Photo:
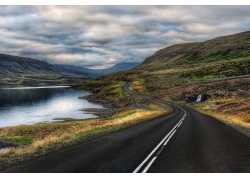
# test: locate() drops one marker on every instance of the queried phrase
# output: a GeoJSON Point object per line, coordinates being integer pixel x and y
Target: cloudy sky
{"type": "Point", "coordinates": [101, 36]}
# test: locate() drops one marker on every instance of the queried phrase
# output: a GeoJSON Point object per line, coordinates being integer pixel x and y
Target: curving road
{"type": "Point", "coordinates": [183, 141]}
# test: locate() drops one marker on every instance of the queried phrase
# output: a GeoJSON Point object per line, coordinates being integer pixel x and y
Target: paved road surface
{"type": "Point", "coordinates": [183, 141]}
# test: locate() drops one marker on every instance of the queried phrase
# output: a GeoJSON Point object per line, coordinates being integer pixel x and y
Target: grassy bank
{"type": "Point", "coordinates": [234, 110]}
{"type": "Point", "coordinates": [40, 136]}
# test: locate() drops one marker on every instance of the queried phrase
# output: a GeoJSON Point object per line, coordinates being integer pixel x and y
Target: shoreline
{"type": "Point", "coordinates": [108, 109]}
{"type": "Point", "coordinates": [27, 157]}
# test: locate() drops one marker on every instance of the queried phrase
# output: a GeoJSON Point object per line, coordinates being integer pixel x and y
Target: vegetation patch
{"type": "Point", "coordinates": [234, 110]}
{"type": "Point", "coordinates": [44, 135]}
{"type": "Point", "coordinates": [22, 141]}
{"type": "Point", "coordinates": [121, 116]}
{"type": "Point", "coordinates": [234, 68]}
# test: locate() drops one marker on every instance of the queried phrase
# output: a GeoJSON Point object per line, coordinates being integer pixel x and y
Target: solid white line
{"type": "Point", "coordinates": [149, 165]}
{"type": "Point", "coordinates": [169, 138]}
{"type": "Point", "coordinates": [151, 162]}
{"type": "Point", "coordinates": [180, 124]}
{"type": "Point", "coordinates": [147, 158]}
{"type": "Point", "coordinates": [155, 149]}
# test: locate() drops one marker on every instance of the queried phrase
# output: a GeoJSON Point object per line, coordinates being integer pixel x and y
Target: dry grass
{"type": "Point", "coordinates": [48, 134]}
{"type": "Point", "coordinates": [234, 110]}
{"type": "Point", "coordinates": [138, 86]}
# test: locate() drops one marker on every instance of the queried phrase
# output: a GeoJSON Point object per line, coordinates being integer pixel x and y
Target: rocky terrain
{"type": "Point", "coordinates": [224, 89]}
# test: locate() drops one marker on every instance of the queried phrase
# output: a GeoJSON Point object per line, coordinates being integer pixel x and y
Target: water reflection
{"type": "Point", "coordinates": [30, 105]}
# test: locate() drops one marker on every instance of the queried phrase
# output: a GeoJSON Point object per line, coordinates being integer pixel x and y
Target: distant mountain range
{"type": "Point", "coordinates": [76, 71]}
{"type": "Point", "coordinates": [21, 70]}
{"type": "Point", "coordinates": [119, 67]}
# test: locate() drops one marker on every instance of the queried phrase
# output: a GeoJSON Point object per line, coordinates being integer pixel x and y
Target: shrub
{"type": "Point", "coordinates": [225, 85]}
{"type": "Point", "coordinates": [241, 83]}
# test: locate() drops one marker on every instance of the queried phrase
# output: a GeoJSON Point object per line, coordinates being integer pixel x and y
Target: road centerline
{"type": "Point", "coordinates": [164, 141]}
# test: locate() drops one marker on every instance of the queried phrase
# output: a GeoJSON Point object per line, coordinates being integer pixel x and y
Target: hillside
{"type": "Point", "coordinates": [221, 48]}
{"type": "Point", "coordinates": [16, 66]}
{"type": "Point", "coordinates": [119, 67]}
{"type": "Point", "coordinates": [181, 72]}
{"type": "Point", "coordinates": [26, 71]}
{"type": "Point", "coordinates": [221, 57]}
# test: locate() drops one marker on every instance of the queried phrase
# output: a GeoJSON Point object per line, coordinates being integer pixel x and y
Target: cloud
{"type": "Point", "coordinates": [101, 36]}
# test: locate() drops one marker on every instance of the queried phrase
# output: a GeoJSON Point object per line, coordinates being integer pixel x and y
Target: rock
{"type": "Point", "coordinates": [6, 143]}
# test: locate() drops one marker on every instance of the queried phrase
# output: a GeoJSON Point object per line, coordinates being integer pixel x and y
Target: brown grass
{"type": "Point", "coordinates": [49, 134]}
{"type": "Point", "coordinates": [234, 110]}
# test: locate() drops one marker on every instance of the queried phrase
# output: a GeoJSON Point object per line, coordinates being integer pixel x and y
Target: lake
{"type": "Point", "coordinates": [42, 104]}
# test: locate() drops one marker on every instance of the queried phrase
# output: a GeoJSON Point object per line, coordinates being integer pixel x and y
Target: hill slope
{"type": "Point", "coordinates": [181, 72]}
{"type": "Point", "coordinates": [16, 66]}
{"type": "Point", "coordinates": [221, 57]}
{"type": "Point", "coordinates": [72, 71]}
{"type": "Point", "coordinates": [222, 48]}
{"type": "Point", "coordinates": [26, 71]}
{"type": "Point", "coordinates": [119, 67]}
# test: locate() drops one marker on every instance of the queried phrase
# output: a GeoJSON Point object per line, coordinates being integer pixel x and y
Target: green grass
{"type": "Point", "coordinates": [22, 140]}
{"type": "Point", "coordinates": [141, 80]}
{"type": "Point", "coordinates": [18, 140]}
{"type": "Point", "coordinates": [201, 107]}
{"type": "Point", "coordinates": [224, 69]}
{"type": "Point", "coordinates": [94, 130]}
{"type": "Point", "coordinates": [109, 89]}
{"type": "Point", "coordinates": [121, 116]}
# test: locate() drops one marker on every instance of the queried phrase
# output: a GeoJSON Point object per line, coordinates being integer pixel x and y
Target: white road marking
{"type": "Point", "coordinates": [168, 136]}
{"type": "Point", "coordinates": [152, 161]}
{"type": "Point", "coordinates": [149, 165]}
{"type": "Point", "coordinates": [180, 124]}
{"type": "Point", "coordinates": [155, 149]}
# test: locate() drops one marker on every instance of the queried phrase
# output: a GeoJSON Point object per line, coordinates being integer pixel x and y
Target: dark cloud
{"type": "Point", "coordinates": [100, 36]}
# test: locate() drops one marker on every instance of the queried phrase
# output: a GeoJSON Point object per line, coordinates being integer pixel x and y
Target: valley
{"type": "Point", "coordinates": [158, 94]}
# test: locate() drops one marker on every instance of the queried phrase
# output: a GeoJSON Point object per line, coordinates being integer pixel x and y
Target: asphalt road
{"type": "Point", "coordinates": [183, 141]}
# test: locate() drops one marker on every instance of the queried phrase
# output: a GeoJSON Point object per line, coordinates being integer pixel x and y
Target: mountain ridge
{"type": "Point", "coordinates": [15, 65]}
{"type": "Point", "coordinates": [94, 73]}
{"type": "Point", "coordinates": [230, 47]}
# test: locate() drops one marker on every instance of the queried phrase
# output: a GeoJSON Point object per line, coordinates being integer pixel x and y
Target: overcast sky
{"type": "Point", "coordinates": [101, 36]}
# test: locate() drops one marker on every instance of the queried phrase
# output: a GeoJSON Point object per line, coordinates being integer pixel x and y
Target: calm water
{"type": "Point", "coordinates": [31, 105]}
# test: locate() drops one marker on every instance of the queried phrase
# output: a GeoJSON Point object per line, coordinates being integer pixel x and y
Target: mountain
{"type": "Point", "coordinates": [119, 67]}
{"type": "Point", "coordinates": [21, 70]}
{"type": "Point", "coordinates": [27, 71]}
{"type": "Point", "coordinates": [218, 70]}
{"type": "Point", "coordinates": [76, 71]}
{"type": "Point", "coordinates": [73, 71]}
{"type": "Point", "coordinates": [223, 48]}
{"type": "Point", "coordinates": [19, 66]}
{"type": "Point", "coordinates": [220, 57]}
{"type": "Point", "coordinates": [189, 63]}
